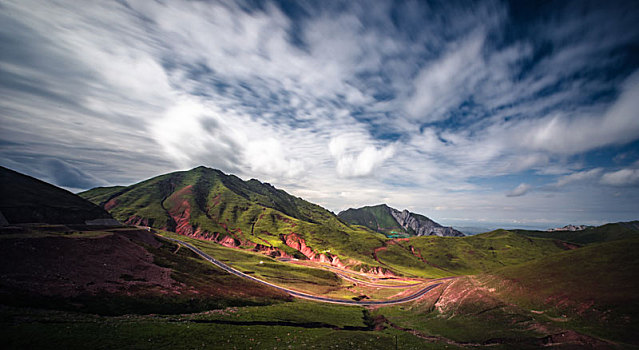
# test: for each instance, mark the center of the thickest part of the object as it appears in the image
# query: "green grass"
(465, 328)
(449, 256)
(594, 286)
(296, 325)
(604, 233)
(294, 276)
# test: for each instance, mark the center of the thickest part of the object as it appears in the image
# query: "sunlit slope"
(377, 218)
(209, 204)
(604, 233)
(433, 256)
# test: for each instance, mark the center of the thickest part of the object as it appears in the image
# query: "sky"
(489, 113)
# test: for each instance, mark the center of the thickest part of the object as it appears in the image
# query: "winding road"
(294, 293)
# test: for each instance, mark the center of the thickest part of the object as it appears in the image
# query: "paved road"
(294, 293)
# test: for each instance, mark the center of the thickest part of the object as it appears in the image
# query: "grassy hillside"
(581, 298)
(24, 199)
(208, 204)
(604, 233)
(433, 256)
(593, 288)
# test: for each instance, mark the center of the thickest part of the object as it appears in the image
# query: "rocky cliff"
(421, 225)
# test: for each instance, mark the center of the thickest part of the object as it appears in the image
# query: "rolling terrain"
(187, 271)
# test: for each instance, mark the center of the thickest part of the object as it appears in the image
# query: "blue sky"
(473, 113)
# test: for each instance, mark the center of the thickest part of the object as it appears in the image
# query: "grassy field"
(294, 325)
(590, 290)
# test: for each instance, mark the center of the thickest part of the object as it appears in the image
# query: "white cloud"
(446, 82)
(579, 176)
(623, 177)
(520, 190)
(354, 157)
(563, 134)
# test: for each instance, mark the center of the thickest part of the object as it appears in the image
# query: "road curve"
(294, 293)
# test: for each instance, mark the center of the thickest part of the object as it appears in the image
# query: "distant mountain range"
(569, 228)
(392, 222)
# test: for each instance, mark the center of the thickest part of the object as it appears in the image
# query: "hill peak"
(395, 223)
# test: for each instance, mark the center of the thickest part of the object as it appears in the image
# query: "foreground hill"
(24, 199)
(57, 261)
(207, 204)
(395, 223)
(580, 298)
(115, 271)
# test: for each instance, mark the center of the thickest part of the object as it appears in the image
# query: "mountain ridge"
(207, 204)
(396, 223)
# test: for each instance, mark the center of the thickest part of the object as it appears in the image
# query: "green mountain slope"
(24, 199)
(604, 233)
(434, 256)
(208, 204)
(377, 218)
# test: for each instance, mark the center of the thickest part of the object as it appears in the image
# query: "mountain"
(207, 204)
(24, 199)
(568, 228)
(392, 222)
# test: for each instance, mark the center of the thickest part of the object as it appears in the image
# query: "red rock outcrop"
(296, 242)
(111, 204)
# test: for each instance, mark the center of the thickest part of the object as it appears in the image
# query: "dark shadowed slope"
(116, 271)
(393, 222)
(24, 199)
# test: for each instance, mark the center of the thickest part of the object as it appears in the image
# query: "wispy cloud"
(579, 176)
(520, 190)
(623, 177)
